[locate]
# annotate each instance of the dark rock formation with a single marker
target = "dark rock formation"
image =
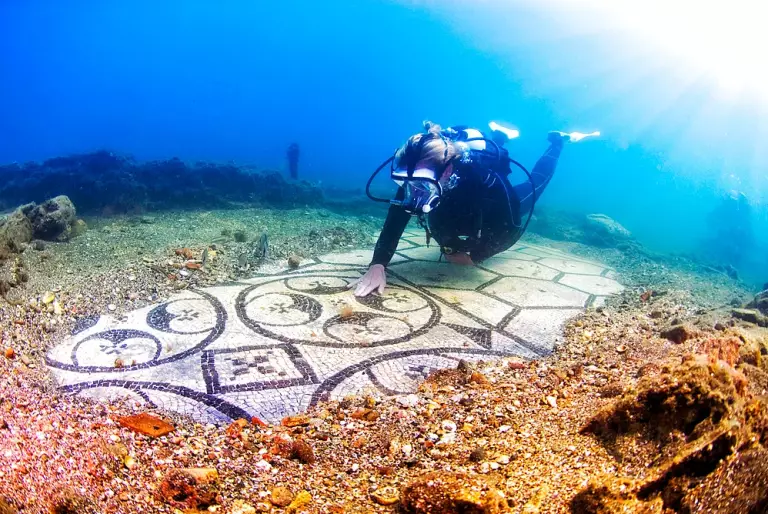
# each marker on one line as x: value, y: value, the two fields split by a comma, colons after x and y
x: 52, y: 220
x: 105, y: 183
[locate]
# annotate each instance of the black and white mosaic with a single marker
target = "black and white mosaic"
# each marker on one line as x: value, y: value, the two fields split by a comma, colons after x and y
x: 281, y: 341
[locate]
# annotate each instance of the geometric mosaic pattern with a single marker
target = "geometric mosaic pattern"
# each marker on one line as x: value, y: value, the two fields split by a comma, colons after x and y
x: 278, y: 342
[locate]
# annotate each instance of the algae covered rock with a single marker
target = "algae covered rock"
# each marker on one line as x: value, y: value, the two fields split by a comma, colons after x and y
x: 705, y: 435
x: 603, y: 230
x: 53, y: 220
x: 760, y: 302
x: 452, y: 493
x: 15, y: 231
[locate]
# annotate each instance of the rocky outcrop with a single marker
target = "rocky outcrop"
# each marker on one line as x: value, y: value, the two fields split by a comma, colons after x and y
x: 103, y: 183
x: 760, y: 302
x: 710, y: 436
x: 53, y: 220
x: 15, y: 232
x: 601, y: 230
x: 595, y: 229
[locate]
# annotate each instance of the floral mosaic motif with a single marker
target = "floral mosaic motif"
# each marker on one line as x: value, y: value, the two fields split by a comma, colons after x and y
x: 280, y: 342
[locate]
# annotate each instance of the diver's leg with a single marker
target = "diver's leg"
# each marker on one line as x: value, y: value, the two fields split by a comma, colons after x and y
x: 542, y: 172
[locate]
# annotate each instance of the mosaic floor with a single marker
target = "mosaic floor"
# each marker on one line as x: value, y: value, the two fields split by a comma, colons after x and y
x: 279, y: 342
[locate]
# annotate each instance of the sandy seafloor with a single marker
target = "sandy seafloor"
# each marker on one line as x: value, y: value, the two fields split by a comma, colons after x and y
x: 57, y: 450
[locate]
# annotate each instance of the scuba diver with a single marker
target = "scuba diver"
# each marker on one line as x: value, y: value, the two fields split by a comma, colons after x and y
x: 293, y: 160
x: 455, y: 181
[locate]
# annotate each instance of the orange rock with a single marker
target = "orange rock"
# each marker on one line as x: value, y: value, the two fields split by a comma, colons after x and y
x: 190, y: 488
x: 295, y: 421
x: 256, y: 421
x: 346, y: 311
x: 10, y: 353
x: 365, y: 414
x: 303, y: 452
x: 185, y: 252
x: 146, y: 424
x: 193, y: 265
x: 236, y: 427
x: 478, y: 378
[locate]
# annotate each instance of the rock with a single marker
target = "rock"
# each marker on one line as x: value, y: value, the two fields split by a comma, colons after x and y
x: 15, y: 232
x: 386, y: 496
x: 10, y: 353
x: 190, y: 488
x: 605, y: 231
x: 451, y: 493
x: 240, y: 507
x: 760, y: 302
x: 281, y: 496
x: 678, y: 333
x: 53, y: 220
x: 295, y: 421
x: 477, y: 455
x: 103, y: 183
x: 302, y: 500
x: 303, y: 452
x: 750, y: 316
x: 146, y: 424
x: 294, y: 261
x: 79, y: 228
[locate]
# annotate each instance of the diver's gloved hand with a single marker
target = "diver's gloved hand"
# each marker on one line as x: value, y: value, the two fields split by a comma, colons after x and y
x: 375, y: 279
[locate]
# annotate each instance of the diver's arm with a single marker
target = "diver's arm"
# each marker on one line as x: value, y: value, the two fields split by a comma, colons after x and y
x: 394, y: 226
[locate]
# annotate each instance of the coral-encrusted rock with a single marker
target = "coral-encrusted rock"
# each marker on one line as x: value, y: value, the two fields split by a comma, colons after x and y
x: 190, y: 488
x: 15, y: 231
x: 613, y: 496
x: 452, y: 493
x: 709, y: 435
x: 52, y: 220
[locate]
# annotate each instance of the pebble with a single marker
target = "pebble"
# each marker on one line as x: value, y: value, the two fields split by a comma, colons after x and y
x: 111, y: 306
x: 263, y: 465
x: 448, y: 425
x: 410, y: 400
x: 552, y: 401
x: 447, y: 439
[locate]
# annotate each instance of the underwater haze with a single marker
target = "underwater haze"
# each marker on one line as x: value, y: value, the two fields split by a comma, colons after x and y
x: 350, y: 81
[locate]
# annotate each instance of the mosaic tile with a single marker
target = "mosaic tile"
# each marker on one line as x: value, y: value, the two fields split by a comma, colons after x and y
x: 592, y: 285
x: 568, y: 266
x: 527, y: 292
x: 282, y: 340
x: 520, y: 268
x: 542, y: 327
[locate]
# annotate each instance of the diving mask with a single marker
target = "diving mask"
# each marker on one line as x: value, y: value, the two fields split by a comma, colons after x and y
x: 422, y: 190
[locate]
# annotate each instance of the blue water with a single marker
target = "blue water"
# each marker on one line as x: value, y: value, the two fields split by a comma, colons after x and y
x: 350, y: 81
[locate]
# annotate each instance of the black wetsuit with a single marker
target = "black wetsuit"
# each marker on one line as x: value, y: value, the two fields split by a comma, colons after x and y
x: 482, y: 215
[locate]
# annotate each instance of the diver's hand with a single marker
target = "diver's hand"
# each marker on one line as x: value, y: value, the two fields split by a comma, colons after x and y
x: 375, y: 279
x: 460, y: 258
